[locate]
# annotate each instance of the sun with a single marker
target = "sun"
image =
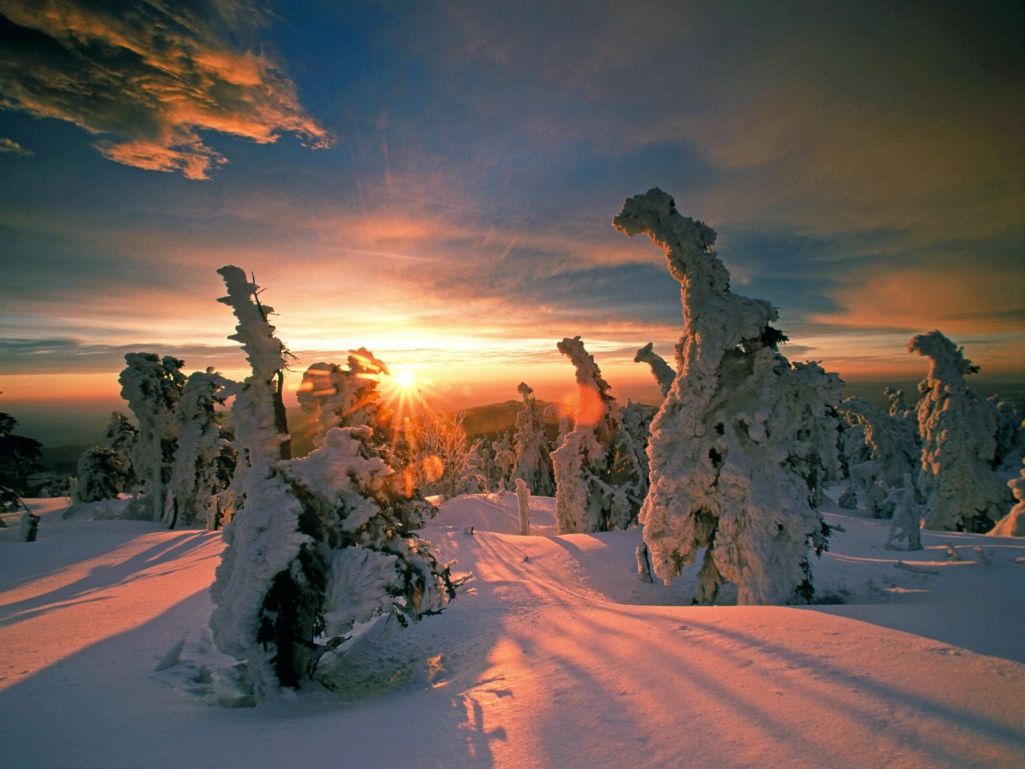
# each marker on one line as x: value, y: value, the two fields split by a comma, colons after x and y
x: 405, y: 378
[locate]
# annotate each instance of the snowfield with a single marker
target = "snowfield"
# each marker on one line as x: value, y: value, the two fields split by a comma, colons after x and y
x: 553, y: 655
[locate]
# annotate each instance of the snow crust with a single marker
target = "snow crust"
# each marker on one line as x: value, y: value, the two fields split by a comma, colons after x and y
x: 556, y: 655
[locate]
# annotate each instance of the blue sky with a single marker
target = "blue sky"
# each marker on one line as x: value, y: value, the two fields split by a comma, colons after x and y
x: 436, y: 181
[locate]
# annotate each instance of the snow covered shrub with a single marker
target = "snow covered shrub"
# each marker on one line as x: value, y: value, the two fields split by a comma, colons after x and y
x: 444, y: 461
x: 598, y: 482
x: 101, y: 475
x: 199, y: 472
x: 961, y: 490
x: 503, y: 463
x: 1013, y: 524
x: 321, y: 543
x: 1010, y: 437
x: 722, y: 444
x: 152, y: 386
x: 533, y: 455
x: 662, y: 371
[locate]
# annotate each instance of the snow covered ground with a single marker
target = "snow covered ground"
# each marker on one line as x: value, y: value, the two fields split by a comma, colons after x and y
x: 554, y: 655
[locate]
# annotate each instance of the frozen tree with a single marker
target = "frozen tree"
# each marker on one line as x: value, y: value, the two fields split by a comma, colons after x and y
x: 101, y: 475
x: 322, y: 543
x: 662, y: 371
x: 445, y: 462
x: 533, y: 456
x: 598, y: 482
x: 120, y: 436
x: 152, y: 387
x: 905, y: 528
x: 336, y: 396
x: 1010, y: 437
x: 198, y: 472
x: 635, y: 421
x: 880, y: 449
x: 810, y: 400
x: 961, y: 490
x: 720, y: 446
x: 503, y: 461
x: 1013, y: 524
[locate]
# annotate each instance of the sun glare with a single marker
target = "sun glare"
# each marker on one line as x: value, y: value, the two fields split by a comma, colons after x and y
x: 404, y: 378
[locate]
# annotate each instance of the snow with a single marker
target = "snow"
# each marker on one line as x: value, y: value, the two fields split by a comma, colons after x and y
x: 553, y: 655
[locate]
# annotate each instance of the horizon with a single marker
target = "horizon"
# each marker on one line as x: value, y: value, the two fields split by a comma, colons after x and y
x: 436, y: 183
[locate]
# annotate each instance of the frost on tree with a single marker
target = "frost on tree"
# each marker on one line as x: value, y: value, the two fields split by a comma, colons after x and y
x: 721, y: 444
x: 322, y: 543
x: 662, y: 371
x: 533, y: 456
x: 336, y: 396
x: 879, y: 448
x: 598, y: 482
x: 101, y: 475
x: 120, y: 437
x: 1013, y: 524
x: 808, y: 408
x: 905, y: 528
x: 961, y: 490
x: 152, y: 386
x: 199, y: 471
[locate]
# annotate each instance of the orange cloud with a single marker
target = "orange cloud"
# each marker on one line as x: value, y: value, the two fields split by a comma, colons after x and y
x: 956, y: 300
x: 152, y: 77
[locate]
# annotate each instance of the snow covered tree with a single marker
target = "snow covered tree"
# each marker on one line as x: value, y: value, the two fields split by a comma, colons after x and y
x: 905, y: 530
x: 321, y: 543
x: 445, y: 462
x: 19, y: 459
x: 533, y: 455
x: 662, y: 371
x: 1013, y: 524
x: 199, y: 472
x: 101, y: 475
x: 503, y: 462
x: 120, y: 436
x: 334, y: 396
x: 635, y: 419
x: 811, y: 398
x: 720, y: 477
x: 1010, y: 437
x: 880, y: 449
x: 958, y: 445
x: 598, y: 482
x: 152, y: 386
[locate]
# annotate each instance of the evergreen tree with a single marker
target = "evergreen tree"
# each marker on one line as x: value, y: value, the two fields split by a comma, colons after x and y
x: 721, y: 482
x: 662, y: 371
x: 20, y: 458
x: 958, y: 442
x: 321, y: 543
x: 152, y: 386
x: 599, y: 484
x: 533, y: 455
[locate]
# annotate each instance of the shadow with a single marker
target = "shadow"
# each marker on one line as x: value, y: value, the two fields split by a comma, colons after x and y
x: 104, y: 576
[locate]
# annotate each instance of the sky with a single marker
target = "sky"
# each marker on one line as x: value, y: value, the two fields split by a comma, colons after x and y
x: 436, y: 181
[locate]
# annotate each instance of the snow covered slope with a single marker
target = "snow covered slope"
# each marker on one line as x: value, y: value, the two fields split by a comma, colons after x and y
x: 554, y: 655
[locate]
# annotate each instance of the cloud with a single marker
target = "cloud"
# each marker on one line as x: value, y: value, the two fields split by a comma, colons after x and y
x: 148, y: 79
x: 11, y: 147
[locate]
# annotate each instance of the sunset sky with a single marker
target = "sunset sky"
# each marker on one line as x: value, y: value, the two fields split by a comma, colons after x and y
x: 436, y: 182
